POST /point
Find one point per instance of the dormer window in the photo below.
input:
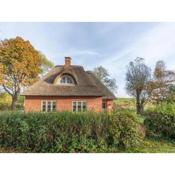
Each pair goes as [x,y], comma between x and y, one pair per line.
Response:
[67,80]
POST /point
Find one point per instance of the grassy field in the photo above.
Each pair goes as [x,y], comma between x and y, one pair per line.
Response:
[129,103]
[125,103]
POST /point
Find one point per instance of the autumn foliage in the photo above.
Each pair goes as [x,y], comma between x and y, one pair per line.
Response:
[19,66]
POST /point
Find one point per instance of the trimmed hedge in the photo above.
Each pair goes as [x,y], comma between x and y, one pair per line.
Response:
[69,132]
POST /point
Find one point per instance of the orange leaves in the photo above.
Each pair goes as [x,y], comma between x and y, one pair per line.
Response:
[19,62]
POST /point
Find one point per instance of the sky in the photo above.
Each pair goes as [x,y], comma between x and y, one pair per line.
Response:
[111,45]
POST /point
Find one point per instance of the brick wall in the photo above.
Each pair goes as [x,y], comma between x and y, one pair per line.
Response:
[33,103]
[109,105]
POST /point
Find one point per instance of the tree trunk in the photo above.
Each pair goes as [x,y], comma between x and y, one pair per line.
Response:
[141,108]
[138,106]
[14,100]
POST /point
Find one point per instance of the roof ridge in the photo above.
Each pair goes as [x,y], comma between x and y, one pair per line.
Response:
[69,66]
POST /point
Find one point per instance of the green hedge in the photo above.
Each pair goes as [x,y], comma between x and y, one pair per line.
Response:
[160,121]
[160,125]
[69,132]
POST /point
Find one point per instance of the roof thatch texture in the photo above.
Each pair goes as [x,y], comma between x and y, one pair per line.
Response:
[86,84]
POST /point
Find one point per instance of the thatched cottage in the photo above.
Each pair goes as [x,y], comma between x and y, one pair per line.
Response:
[68,88]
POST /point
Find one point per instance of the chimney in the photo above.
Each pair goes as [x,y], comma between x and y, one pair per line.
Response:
[67,62]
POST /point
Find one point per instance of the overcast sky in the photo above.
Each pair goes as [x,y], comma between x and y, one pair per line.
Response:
[111,45]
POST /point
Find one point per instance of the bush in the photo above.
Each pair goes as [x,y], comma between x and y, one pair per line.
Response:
[160,123]
[5,101]
[69,132]
[125,130]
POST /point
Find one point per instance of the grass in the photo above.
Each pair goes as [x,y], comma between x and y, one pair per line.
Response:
[155,146]
[125,103]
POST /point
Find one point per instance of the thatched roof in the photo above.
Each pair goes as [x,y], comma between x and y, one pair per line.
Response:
[86,84]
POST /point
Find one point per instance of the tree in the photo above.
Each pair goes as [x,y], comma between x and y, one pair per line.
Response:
[1,75]
[102,74]
[137,80]
[20,65]
[171,94]
[46,64]
[162,80]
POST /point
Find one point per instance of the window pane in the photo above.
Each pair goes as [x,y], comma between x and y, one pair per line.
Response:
[53,106]
[44,106]
[74,106]
[48,106]
[63,80]
[79,106]
[66,79]
[69,80]
[84,106]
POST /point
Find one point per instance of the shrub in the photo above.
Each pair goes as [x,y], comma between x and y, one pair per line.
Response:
[125,130]
[160,123]
[5,101]
[69,132]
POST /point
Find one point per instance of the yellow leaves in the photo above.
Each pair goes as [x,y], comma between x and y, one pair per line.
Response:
[1,73]
[19,61]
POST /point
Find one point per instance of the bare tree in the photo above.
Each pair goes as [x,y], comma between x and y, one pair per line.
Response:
[137,78]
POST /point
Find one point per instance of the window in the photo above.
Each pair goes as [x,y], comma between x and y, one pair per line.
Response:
[104,106]
[67,80]
[79,106]
[48,106]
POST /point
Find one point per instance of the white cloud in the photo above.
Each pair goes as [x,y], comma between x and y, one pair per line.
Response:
[75,52]
[156,44]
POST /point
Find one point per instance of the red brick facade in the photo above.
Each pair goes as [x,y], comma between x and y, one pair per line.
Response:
[33,103]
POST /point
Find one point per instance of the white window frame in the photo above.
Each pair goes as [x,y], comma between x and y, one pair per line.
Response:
[77,101]
[67,77]
[52,101]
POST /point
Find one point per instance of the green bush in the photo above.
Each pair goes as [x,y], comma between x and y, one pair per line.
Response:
[69,132]
[160,123]
[124,130]
[5,101]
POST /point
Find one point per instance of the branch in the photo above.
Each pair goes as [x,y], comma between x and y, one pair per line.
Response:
[7,90]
